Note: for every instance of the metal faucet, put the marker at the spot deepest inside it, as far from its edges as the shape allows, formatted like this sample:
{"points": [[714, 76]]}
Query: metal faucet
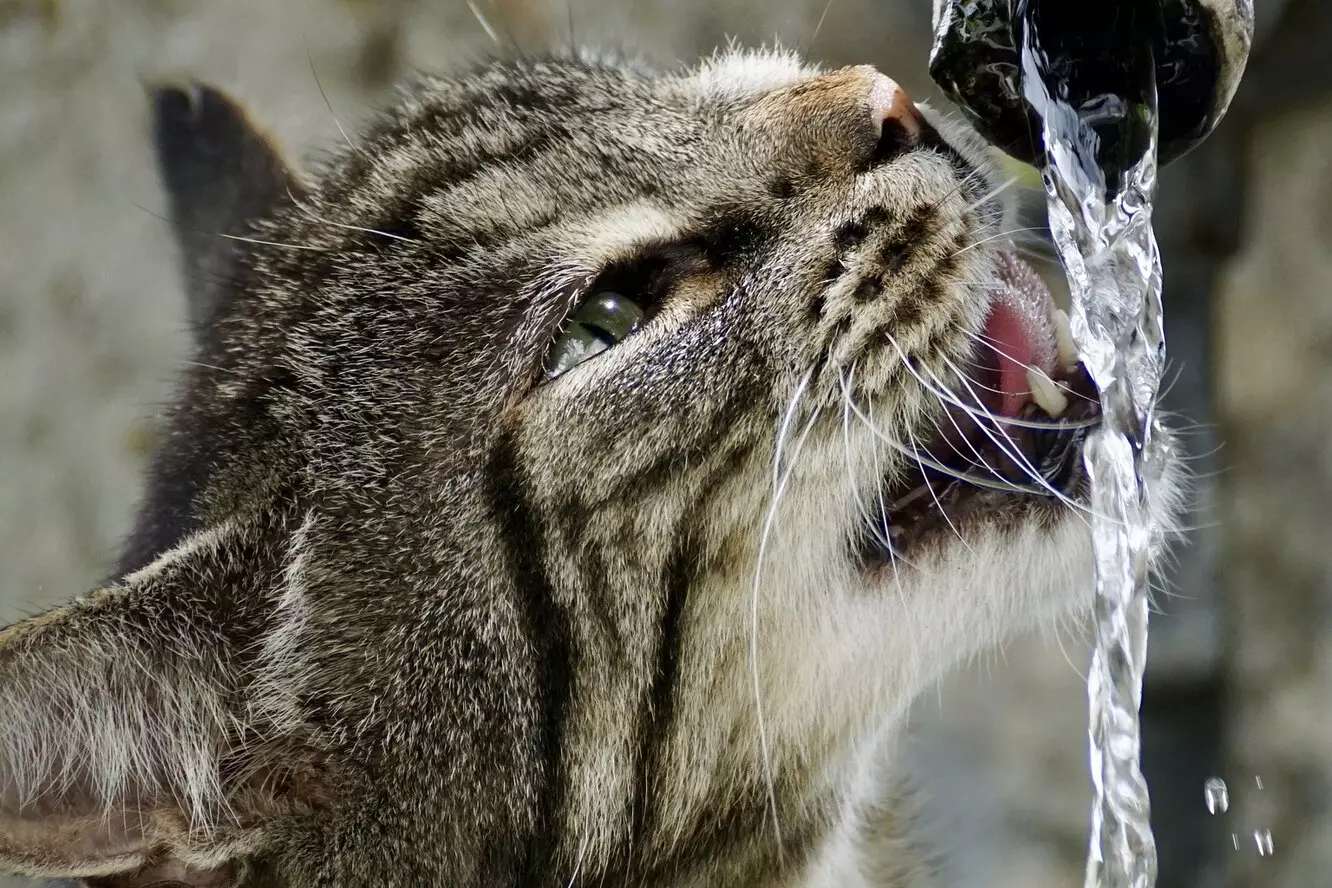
{"points": [[1096, 53]]}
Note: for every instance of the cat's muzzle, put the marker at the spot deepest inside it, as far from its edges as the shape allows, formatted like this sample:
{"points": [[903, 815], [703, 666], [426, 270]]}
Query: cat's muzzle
{"points": [[1007, 445]]}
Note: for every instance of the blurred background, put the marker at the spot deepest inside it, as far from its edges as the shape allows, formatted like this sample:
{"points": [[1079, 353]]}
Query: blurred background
{"points": [[1240, 677]]}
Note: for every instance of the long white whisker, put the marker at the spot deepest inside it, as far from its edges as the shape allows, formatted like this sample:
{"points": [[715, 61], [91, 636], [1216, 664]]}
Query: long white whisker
{"points": [[578, 867], [861, 507], [265, 243], [993, 346], [784, 428], [329, 105], [485, 25], [236, 237], [780, 481], [819, 27], [965, 438], [915, 452], [1047, 425], [311, 214], [929, 462], [893, 556], [993, 193], [1006, 444], [995, 237]]}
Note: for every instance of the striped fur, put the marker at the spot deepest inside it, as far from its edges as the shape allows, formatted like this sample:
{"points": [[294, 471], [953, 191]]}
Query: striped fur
{"points": [[399, 613]]}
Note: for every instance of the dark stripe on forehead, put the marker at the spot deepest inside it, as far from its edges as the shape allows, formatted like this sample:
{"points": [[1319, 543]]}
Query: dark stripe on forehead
{"points": [[549, 639], [449, 166]]}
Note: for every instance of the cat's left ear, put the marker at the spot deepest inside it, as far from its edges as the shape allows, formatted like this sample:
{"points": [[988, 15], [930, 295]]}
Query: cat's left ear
{"points": [[221, 174], [151, 731]]}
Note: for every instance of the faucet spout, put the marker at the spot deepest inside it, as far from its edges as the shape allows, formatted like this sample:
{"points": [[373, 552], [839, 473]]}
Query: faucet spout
{"points": [[1193, 53]]}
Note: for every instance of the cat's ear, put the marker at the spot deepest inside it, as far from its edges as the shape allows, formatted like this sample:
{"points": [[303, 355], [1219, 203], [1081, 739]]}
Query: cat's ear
{"points": [[220, 173], [131, 749]]}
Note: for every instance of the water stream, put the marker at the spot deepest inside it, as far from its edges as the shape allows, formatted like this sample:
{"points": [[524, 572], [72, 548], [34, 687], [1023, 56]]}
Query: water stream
{"points": [[1072, 87], [1100, 176]]}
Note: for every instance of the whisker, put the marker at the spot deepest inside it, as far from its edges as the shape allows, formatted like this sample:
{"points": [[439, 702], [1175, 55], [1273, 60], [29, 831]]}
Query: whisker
{"points": [[1067, 659], [485, 25], [1009, 447], [915, 452], [578, 866], [819, 27], [965, 439], [928, 461], [329, 105], [235, 237], [1168, 385], [885, 542], [989, 343], [861, 508], [780, 482], [993, 193], [894, 557], [969, 179], [311, 214], [995, 237], [508, 31], [1046, 425], [265, 243]]}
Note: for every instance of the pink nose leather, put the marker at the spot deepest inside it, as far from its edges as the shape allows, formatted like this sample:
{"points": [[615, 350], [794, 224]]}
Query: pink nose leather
{"points": [[889, 102]]}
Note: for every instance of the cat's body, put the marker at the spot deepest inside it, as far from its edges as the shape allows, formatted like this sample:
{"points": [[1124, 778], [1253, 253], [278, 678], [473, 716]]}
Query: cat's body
{"points": [[427, 590]]}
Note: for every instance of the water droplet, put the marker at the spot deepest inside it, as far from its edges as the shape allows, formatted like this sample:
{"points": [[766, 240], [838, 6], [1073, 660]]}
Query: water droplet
{"points": [[1258, 780], [1263, 839], [1218, 797], [1234, 840]]}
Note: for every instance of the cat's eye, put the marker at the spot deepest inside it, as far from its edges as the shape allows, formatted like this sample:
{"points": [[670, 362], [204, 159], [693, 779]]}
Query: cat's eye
{"points": [[599, 323]]}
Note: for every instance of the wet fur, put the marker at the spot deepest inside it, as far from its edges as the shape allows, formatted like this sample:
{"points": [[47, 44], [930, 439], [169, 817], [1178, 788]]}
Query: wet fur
{"points": [[396, 612]]}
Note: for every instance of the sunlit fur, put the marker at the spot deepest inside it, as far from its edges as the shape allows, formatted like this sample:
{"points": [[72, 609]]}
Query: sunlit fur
{"points": [[399, 612]]}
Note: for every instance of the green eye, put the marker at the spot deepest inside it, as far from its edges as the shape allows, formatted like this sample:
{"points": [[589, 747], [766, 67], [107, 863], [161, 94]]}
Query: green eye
{"points": [[599, 323]]}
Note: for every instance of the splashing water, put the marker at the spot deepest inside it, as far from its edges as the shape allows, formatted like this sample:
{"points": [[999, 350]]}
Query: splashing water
{"points": [[1100, 177]]}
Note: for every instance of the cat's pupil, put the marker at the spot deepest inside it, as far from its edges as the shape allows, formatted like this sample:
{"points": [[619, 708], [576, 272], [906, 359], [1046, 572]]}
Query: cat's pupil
{"points": [[599, 323], [611, 316]]}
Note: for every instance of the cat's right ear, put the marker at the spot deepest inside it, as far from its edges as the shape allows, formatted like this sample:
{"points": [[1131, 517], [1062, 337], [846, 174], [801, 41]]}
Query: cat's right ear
{"points": [[220, 174]]}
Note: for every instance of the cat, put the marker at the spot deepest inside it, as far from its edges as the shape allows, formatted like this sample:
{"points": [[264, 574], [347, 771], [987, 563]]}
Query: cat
{"points": [[578, 478]]}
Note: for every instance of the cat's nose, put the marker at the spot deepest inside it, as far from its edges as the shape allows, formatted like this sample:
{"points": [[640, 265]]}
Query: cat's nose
{"points": [[842, 123], [892, 108]]}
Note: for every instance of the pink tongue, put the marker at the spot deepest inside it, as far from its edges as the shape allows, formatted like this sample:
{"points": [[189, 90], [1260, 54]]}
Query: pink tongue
{"points": [[1019, 330], [1007, 330]]}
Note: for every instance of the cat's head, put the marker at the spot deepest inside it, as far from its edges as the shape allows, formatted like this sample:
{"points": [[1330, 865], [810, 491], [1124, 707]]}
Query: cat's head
{"points": [[582, 464]]}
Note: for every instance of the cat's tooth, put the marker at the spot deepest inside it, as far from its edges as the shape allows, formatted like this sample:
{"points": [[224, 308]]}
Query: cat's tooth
{"points": [[1068, 352], [1046, 394]]}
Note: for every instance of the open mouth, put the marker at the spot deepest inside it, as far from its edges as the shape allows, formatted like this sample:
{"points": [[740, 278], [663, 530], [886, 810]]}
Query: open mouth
{"points": [[1009, 437]]}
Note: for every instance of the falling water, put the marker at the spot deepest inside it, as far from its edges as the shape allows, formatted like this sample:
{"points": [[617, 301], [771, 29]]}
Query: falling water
{"points": [[1073, 88], [1100, 176]]}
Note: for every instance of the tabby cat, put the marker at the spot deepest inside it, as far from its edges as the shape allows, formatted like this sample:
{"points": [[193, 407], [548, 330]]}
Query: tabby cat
{"points": [[578, 478]]}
